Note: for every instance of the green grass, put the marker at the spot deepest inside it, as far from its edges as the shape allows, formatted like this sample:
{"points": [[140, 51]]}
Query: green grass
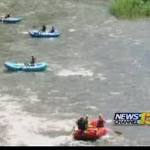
{"points": [[129, 9]]}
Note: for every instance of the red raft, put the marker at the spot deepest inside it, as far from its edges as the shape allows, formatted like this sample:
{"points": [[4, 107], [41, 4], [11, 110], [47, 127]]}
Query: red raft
{"points": [[92, 133]]}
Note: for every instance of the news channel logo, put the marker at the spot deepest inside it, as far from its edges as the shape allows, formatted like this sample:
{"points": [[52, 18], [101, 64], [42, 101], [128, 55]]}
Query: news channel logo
{"points": [[132, 118]]}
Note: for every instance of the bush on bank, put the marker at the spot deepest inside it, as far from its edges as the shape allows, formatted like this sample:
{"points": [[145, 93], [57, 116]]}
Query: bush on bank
{"points": [[130, 8]]}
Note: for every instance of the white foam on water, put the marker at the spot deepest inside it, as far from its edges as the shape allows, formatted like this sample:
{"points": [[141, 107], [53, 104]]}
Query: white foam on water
{"points": [[137, 63], [54, 67], [115, 93], [60, 98], [60, 125], [34, 99], [9, 104], [101, 77], [23, 128], [60, 140], [74, 17], [76, 54], [110, 21], [28, 130], [54, 91], [91, 107], [24, 132], [109, 121], [49, 69], [137, 42], [73, 104], [31, 96], [117, 140], [107, 136], [112, 35], [75, 72], [24, 32], [117, 34], [72, 30]]}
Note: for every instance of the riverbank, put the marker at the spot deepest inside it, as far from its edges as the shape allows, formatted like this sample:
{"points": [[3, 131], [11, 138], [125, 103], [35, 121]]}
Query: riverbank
{"points": [[130, 9]]}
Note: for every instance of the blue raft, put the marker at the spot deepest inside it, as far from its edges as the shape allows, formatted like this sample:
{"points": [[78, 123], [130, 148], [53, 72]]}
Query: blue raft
{"points": [[40, 34], [11, 19], [11, 66]]}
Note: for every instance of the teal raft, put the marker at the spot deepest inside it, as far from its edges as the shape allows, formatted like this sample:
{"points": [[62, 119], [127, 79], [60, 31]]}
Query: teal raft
{"points": [[11, 19], [11, 66], [40, 34]]}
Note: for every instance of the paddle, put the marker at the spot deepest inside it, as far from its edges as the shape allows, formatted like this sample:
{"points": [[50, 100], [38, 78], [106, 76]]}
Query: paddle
{"points": [[115, 131], [118, 132]]}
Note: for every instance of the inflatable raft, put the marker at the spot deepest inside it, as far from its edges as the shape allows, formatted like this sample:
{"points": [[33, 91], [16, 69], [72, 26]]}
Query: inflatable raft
{"points": [[11, 66], [92, 133], [11, 19], [40, 34]]}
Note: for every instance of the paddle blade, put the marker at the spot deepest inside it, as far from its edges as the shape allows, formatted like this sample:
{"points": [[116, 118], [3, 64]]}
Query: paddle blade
{"points": [[118, 132]]}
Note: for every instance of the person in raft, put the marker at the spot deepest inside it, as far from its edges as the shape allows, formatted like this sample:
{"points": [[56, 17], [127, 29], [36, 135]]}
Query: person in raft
{"points": [[82, 123], [53, 29], [43, 28], [7, 15], [32, 60], [100, 122]]}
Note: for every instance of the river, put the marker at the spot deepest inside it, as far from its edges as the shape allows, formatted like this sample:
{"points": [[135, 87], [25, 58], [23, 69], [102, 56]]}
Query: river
{"points": [[99, 64]]}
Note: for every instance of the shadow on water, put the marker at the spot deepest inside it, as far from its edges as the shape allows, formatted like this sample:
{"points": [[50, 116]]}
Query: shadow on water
{"points": [[11, 72], [8, 71]]}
